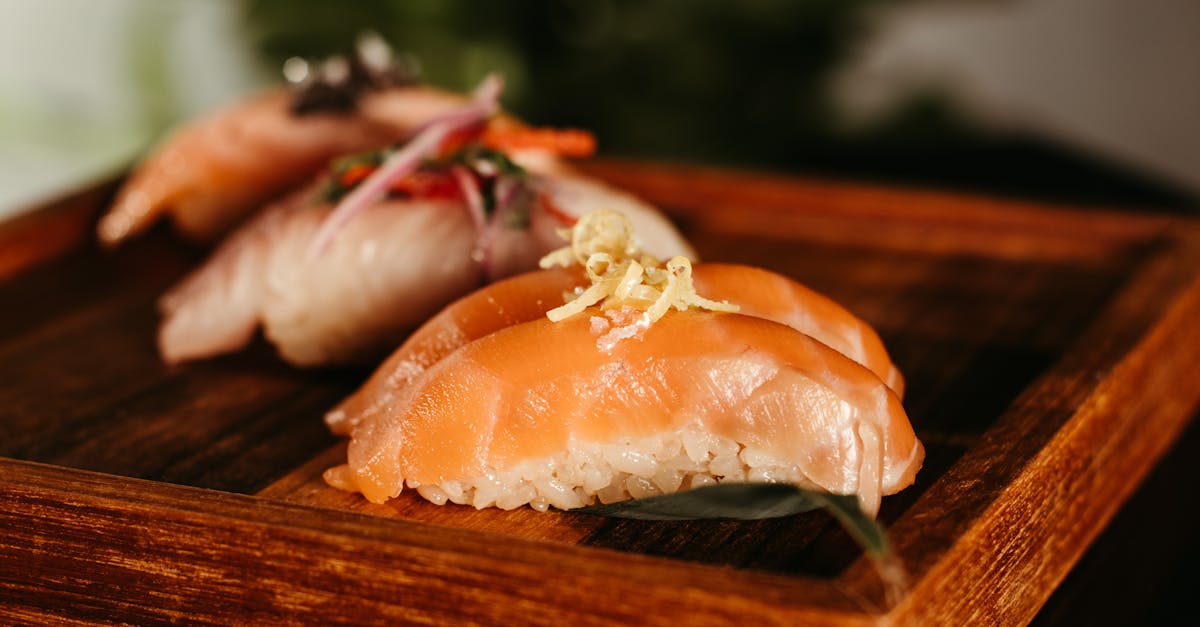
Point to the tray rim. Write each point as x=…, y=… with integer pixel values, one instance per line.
x=770, y=598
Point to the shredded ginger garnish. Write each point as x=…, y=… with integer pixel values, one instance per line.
x=621, y=275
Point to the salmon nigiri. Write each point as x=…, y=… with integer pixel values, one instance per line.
x=529, y=296
x=547, y=413
x=627, y=390
x=212, y=172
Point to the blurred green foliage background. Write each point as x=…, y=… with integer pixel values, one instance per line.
x=707, y=80
x=745, y=84
x=87, y=85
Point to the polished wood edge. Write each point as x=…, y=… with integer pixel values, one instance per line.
x=880, y=217
x=717, y=187
x=147, y=528
x=52, y=228
x=1065, y=495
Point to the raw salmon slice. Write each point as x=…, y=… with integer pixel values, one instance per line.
x=210, y=173
x=541, y=413
x=523, y=298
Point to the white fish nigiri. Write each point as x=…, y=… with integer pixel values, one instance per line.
x=391, y=268
x=387, y=270
x=413, y=228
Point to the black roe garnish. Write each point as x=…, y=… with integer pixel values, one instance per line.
x=334, y=86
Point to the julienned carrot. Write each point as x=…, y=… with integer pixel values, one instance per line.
x=356, y=173
x=567, y=142
x=456, y=141
x=503, y=138
x=423, y=184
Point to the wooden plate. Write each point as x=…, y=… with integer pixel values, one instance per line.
x=1050, y=355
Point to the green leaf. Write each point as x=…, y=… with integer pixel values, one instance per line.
x=750, y=501
x=335, y=190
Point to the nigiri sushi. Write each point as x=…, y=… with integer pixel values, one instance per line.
x=542, y=413
x=211, y=173
x=528, y=296
x=629, y=390
x=338, y=271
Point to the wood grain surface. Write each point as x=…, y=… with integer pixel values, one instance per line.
x=1050, y=356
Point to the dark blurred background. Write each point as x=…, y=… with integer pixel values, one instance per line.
x=772, y=84
x=1082, y=101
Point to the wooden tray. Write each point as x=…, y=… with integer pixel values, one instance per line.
x=1050, y=353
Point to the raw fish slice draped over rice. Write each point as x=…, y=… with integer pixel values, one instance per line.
x=214, y=171
x=340, y=278
x=387, y=270
x=528, y=413
x=526, y=297
x=395, y=265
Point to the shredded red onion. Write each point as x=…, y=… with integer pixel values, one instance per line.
x=484, y=103
x=470, y=191
x=507, y=190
